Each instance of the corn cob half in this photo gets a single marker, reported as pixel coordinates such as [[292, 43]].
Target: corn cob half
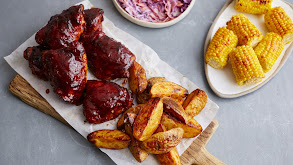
[[268, 50], [245, 65], [223, 42], [253, 6], [246, 32], [279, 22]]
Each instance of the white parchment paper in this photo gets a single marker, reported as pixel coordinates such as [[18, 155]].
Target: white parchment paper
[[223, 80], [147, 57]]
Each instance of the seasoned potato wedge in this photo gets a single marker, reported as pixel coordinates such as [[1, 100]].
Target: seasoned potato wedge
[[129, 120], [153, 80], [143, 97], [179, 100], [175, 109], [111, 139], [135, 109], [139, 154], [148, 119], [191, 128], [168, 89], [161, 128], [195, 102], [190, 132], [137, 78], [169, 158], [163, 142]]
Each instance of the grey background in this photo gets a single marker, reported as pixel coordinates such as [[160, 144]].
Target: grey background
[[254, 129]]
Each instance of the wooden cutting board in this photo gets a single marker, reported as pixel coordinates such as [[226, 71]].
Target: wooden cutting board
[[196, 154]]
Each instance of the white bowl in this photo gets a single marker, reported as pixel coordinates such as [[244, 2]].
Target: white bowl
[[151, 24]]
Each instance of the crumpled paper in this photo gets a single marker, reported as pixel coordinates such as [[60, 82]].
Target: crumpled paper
[[147, 57]]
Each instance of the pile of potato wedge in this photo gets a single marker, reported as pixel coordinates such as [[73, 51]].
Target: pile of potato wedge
[[158, 123]]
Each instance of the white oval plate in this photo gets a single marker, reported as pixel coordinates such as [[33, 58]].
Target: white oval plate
[[151, 24], [222, 81]]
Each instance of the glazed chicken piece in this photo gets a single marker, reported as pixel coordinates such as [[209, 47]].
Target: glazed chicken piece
[[104, 101], [62, 29], [93, 18], [107, 58], [65, 68], [34, 56]]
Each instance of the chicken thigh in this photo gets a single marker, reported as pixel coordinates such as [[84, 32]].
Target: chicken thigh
[[107, 58], [62, 29], [105, 101], [65, 68]]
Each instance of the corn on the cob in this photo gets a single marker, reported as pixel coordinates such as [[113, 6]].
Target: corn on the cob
[[223, 42], [246, 32], [279, 22], [253, 6], [245, 65], [268, 50]]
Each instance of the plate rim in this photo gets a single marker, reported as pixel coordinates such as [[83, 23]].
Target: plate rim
[[207, 41], [151, 24]]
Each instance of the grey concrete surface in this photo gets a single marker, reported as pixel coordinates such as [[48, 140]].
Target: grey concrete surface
[[254, 129]]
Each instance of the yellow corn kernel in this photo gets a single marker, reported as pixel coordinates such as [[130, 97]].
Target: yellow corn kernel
[[245, 65], [246, 32], [253, 6], [268, 50], [279, 22], [223, 42]]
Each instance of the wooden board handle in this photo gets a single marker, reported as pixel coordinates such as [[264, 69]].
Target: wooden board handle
[[22, 89], [197, 150], [195, 154]]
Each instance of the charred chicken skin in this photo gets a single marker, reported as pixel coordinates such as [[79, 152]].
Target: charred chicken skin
[[34, 56], [65, 68], [104, 101], [62, 29], [107, 58], [93, 18]]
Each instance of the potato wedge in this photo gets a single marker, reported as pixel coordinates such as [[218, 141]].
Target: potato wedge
[[180, 100], [139, 154], [169, 158], [129, 120], [161, 128], [163, 142], [137, 78], [143, 97], [190, 132], [175, 109], [195, 102], [135, 109], [148, 119], [153, 80], [168, 89], [110, 139], [191, 128]]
